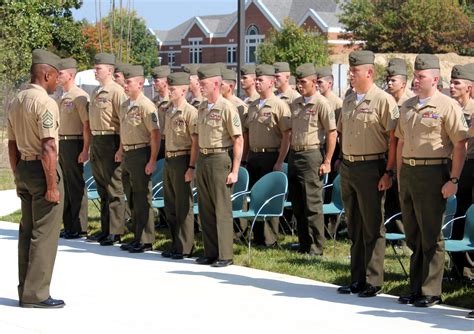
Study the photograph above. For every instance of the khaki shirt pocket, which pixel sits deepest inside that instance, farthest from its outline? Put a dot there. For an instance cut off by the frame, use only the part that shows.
(265, 120)
(430, 123)
(179, 127)
(367, 117)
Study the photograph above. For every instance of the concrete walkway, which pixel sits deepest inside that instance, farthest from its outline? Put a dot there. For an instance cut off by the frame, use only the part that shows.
(110, 291)
(9, 202)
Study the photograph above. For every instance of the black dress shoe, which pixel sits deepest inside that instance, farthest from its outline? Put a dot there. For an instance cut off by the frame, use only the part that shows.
(205, 260)
(140, 248)
(62, 233)
(48, 303)
(97, 237)
(370, 291)
(167, 254)
(355, 287)
(127, 246)
(427, 301)
(470, 315)
(72, 235)
(408, 299)
(110, 240)
(221, 263)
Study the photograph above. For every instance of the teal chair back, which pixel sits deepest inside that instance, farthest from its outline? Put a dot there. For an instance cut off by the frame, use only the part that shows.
(269, 185)
(242, 184)
(88, 178)
(469, 226)
(336, 197)
(157, 175)
(449, 212)
(284, 169)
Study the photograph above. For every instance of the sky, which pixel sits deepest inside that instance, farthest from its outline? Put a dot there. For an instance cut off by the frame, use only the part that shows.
(161, 14)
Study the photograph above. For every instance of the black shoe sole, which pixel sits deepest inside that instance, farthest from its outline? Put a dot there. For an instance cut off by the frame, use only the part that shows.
(29, 305)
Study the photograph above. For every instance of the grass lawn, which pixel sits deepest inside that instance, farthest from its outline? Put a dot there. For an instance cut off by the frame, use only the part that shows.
(329, 268)
(6, 179)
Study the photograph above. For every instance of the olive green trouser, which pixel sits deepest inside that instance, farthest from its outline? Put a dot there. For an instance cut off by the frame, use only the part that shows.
(305, 193)
(260, 164)
(39, 231)
(215, 206)
(423, 206)
(108, 177)
(139, 193)
(363, 210)
(179, 204)
(73, 178)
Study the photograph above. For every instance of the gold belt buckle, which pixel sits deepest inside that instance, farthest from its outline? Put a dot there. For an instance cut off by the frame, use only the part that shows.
(297, 148)
(351, 158)
(204, 151)
(412, 162)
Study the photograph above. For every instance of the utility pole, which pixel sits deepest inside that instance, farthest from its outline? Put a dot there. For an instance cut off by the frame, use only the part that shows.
(240, 41)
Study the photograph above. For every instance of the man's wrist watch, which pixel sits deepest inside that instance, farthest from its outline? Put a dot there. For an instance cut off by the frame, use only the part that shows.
(454, 180)
(389, 172)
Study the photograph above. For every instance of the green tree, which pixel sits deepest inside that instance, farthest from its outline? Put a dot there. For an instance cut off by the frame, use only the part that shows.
(412, 26)
(295, 45)
(29, 24)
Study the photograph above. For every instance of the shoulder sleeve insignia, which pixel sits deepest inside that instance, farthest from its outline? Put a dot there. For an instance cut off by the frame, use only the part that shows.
(47, 120)
(236, 121)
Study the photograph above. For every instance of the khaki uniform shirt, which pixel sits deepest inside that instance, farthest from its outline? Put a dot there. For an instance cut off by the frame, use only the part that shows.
(137, 120)
(288, 95)
(267, 123)
(104, 108)
(218, 125)
(310, 121)
(335, 103)
(197, 101)
(162, 104)
(407, 94)
(33, 116)
(180, 125)
(468, 111)
(252, 98)
(242, 108)
(365, 126)
(73, 111)
(431, 131)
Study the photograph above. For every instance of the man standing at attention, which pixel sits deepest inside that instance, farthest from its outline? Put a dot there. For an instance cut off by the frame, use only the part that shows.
(219, 130)
(33, 124)
(74, 141)
(431, 129)
(106, 152)
(367, 125)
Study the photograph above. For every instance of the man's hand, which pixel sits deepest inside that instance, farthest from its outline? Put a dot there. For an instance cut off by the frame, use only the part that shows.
(150, 167)
(325, 168)
(232, 178)
(118, 156)
(83, 157)
(278, 167)
(385, 182)
(189, 175)
(52, 195)
(449, 189)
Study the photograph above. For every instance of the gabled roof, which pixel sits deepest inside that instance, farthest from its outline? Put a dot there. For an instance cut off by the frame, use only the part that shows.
(323, 12)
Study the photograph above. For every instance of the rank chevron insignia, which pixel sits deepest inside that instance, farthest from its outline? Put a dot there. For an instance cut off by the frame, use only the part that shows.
(47, 120)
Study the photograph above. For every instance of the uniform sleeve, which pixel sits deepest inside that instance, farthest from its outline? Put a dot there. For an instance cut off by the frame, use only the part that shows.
(150, 117)
(399, 131)
(48, 120)
(232, 121)
(243, 113)
(82, 106)
(327, 116)
(389, 113)
(455, 124)
(191, 120)
(284, 117)
(10, 131)
(118, 98)
(339, 121)
(246, 121)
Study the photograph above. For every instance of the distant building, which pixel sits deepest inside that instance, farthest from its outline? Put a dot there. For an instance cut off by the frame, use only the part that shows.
(213, 38)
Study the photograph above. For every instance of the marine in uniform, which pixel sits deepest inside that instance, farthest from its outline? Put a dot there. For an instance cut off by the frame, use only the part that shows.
(33, 124)
(162, 100)
(312, 120)
(367, 123)
(195, 97)
(140, 141)
(268, 136)
(282, 83)
(180, 162)
(431, 129)
(74, 141)
(106, 152)
(460, 88)
(219, 130)
(229, 81)
(247, 82)
(118, 73)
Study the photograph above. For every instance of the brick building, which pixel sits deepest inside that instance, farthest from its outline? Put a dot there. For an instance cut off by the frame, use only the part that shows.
(213, 38)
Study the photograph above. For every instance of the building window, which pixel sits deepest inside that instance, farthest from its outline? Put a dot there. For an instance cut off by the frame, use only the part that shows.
(252, 40)
(231, 54)
(171, 58)
(195, 51)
